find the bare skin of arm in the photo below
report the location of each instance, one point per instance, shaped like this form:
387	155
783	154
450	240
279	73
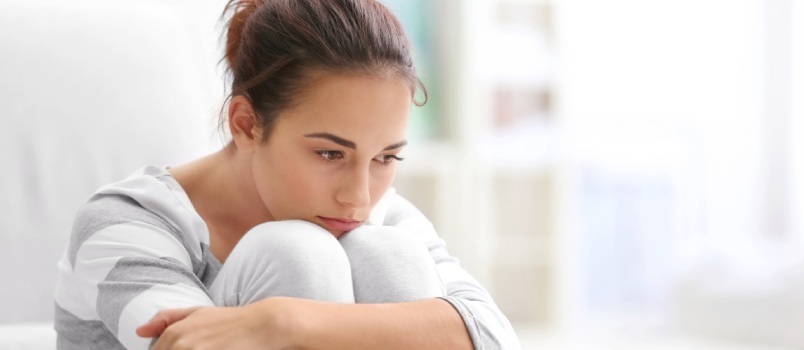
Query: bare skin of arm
291	323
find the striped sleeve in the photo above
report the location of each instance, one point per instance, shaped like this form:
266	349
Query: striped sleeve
488	327
123	265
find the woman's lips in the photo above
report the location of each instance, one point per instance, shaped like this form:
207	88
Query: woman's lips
335	224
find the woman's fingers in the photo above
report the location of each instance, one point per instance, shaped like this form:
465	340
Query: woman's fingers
156	325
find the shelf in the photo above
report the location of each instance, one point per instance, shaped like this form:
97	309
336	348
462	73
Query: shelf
523	249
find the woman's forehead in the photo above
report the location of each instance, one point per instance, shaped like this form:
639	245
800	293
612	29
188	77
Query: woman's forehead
351	105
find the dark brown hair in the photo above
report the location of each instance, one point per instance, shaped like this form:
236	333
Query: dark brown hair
274	48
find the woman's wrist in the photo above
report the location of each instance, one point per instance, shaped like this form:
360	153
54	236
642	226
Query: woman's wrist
278	321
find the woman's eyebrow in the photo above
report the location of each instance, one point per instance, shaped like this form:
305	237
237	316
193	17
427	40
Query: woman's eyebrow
339	140
396	145
350	144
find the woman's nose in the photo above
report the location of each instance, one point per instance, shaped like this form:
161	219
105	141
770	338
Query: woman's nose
354	190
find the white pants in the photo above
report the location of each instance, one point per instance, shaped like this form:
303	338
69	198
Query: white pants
371	264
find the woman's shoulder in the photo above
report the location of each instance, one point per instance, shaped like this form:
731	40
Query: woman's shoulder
122	201
105	210
146	198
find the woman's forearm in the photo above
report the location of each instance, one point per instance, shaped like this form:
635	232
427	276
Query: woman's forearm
425	324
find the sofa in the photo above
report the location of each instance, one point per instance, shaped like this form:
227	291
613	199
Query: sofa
89	92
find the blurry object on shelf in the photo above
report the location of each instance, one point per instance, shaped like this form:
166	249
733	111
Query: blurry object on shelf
628	222
521	215
520	63
521	51
514	103
524	143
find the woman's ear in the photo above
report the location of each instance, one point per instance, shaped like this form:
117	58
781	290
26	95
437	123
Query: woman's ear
243	125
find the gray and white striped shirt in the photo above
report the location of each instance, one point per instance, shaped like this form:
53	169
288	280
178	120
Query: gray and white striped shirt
138	246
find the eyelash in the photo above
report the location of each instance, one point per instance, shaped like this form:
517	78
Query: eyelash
327	155
390	158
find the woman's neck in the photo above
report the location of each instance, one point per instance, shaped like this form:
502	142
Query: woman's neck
221	188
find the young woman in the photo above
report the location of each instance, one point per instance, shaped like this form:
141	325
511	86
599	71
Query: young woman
290	236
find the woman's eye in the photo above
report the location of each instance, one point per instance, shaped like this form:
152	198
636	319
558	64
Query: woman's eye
330	154
389	158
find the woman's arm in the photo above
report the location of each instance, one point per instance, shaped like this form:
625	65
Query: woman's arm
123	265
424	324
292	323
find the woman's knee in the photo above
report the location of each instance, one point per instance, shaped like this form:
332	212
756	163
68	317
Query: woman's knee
383	243
289	239
290	258
294	245
390	265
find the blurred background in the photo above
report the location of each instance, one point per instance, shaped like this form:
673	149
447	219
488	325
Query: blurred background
619	173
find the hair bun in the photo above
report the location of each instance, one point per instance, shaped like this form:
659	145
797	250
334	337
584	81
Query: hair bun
241	10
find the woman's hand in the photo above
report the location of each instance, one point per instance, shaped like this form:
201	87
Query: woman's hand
216	328
156	325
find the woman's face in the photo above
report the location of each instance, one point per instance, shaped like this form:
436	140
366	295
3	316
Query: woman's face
333	155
